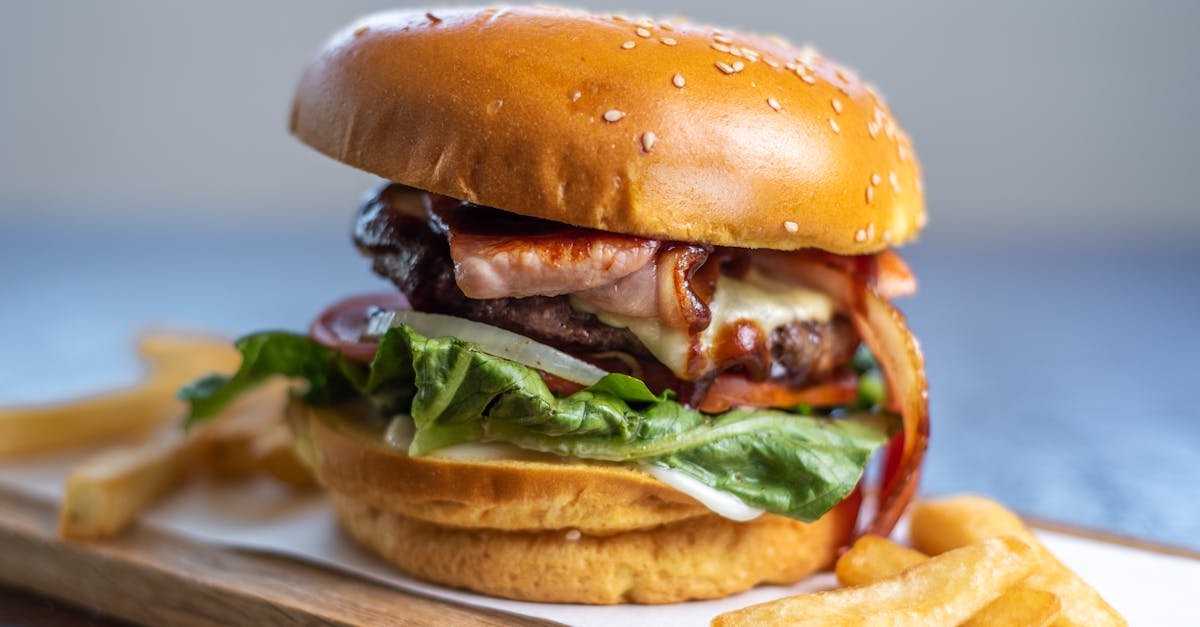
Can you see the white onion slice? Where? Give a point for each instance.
(721, 503)
(491, 340)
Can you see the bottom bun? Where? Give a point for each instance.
(702, 556)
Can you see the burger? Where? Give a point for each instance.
(640, 347)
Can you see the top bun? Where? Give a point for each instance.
(666, 130)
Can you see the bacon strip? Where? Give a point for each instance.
(549, 264)
(884, 330)
(886, 272)
(635, 295)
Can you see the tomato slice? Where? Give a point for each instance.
(730, 390)
(341, 325)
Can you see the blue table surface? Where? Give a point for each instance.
(1064, 379)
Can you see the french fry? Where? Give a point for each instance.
(229, 452)
(187, 356)
(946, 524)
(944, 590)
(276, 455)
(106, 493)
(1020, 606)
(28, 430)
(172, 361)
(873, 558)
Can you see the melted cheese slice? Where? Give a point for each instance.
(755, 298)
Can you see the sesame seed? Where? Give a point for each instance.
(628, 45)
(678, 81)
(573, 535)
(642, 32)
(719, 38)
(750, 54)
(836, 104)
(874, 91)
(834, 125)
(806, 77)
(613, 115)
(576, 96)
(779, 41)
(646, 22)
(669, 41)
(870, 194)
(648, 139)
(894, 180)
(872, 129)
(774, 104)
(433, 18)
(791, 227)
(841, 74)
(871, 230)
(361, 30)
(719, 47)
(735, 51)
(738, 66)
(620, 18)
(771, 62)
(725, 67)
(494, 106)
(860, 235)
(666, 26)
(875, 178)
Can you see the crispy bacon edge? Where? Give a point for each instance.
(886, 333)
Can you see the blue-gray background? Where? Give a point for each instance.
(146, 178)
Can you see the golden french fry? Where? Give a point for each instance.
(873, 558)
(172, 360)
(188, 355)
(104, 494)
(276, 455)
(1020, 606)
(232, 451)
(946, 524)
(107, 493)
(27, 430)
(944, 590)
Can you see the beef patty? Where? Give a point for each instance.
(406, 250)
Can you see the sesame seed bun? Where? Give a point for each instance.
(665, 130)
(567, 532)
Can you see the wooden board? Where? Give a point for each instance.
(150, 577)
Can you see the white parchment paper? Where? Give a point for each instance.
(261, 515)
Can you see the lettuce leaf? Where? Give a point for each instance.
(795, 465)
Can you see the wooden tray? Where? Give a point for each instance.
(155, 578)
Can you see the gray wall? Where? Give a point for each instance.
(1080, 116)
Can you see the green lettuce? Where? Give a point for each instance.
(782, 462)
